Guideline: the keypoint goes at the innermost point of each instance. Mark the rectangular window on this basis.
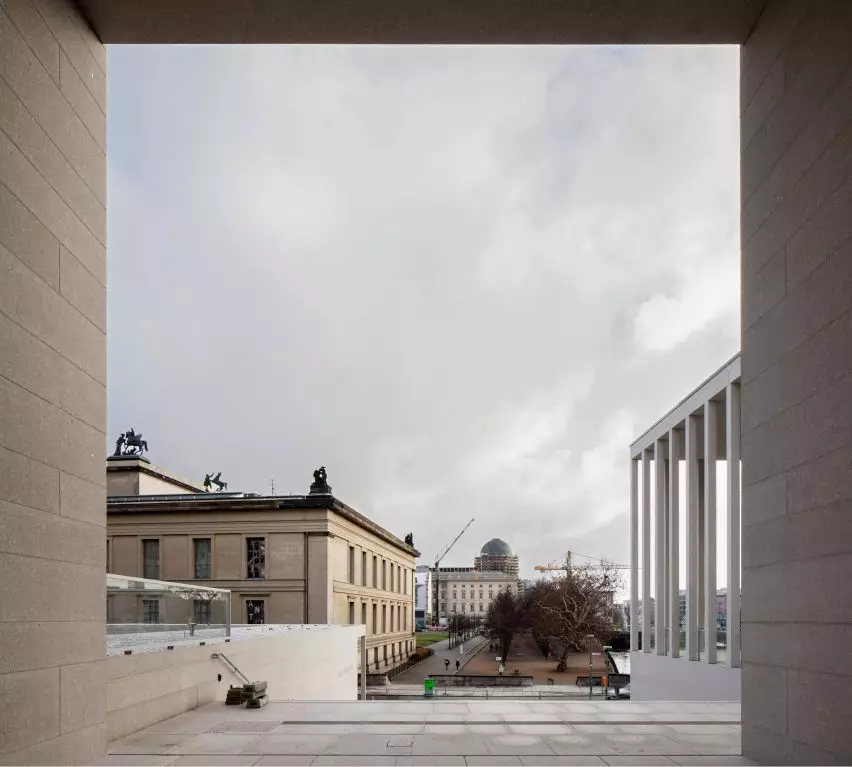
(351, 564)
(201, 611)
(151, 559)
(384, 619)
(364, 615)
(255, 557)
(405, 618)
(255, 611)
(351, 613)
(150, 611)
(384, 575)
(202, 552)
(107, 562)
(375, 572)
(375, 620)
(363, 568)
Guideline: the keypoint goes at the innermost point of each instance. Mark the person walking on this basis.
(458, 666)
(446, 664)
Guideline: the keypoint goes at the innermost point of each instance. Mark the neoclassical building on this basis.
(285, 559)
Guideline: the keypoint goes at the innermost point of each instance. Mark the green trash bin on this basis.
(428, 688)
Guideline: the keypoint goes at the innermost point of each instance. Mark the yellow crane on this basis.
(565, 563)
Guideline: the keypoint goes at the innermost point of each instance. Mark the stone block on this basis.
(36, 33)
(823, 532)
(36, 146)
(768, 93)
(764, 690)
(818, 300)
(79, 44)
(29, 708)
(813, 365)
(82, 101)
(44, 313)
(766, 747)
(82, 500)
(28, 482)
(32, 645)
(816, 704)
(82, 289)
(80, 747)
(824, 481)
(36, 589)
(32, 427)
(801, 646)
(32, 189)
(27, 238)
(33, 533)
(765, 544)
(23, 72)
(765, 44)
(82, 699)
(770, 286)
(33, 365)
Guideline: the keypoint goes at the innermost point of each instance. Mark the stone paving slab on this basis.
(471, 733)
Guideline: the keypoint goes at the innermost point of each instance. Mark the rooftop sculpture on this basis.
(130, 443)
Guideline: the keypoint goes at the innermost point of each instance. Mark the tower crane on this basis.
(438, 559)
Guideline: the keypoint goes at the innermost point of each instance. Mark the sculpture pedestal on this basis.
(320, 488)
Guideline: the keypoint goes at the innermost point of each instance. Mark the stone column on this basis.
(711, 412)
(646, 551)
(732, 452)
(52, 385)
(660, 547)
(634, 554)
(692, 569)
(675, 449)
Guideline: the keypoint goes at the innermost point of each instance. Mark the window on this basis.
(351, 573)
(384, 619)
(201, 611)
(364, 614)
(150, 611)
(405, 617)
(375, 572)
(202, 550)
(151, 559)
(392, 568)
(363, 568)
(385, 653)
(455, 607)
(351, 613)
(376, 657)
(384, 575)
(480, 608)
(255, 610)
(256, 558)
(107, 562)
(375, 620)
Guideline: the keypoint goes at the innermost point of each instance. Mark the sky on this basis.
(462, 279)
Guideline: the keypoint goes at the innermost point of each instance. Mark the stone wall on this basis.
(52, 379)
(796, 143)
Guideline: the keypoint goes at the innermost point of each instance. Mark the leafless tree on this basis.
(574, 605)
(506, 618)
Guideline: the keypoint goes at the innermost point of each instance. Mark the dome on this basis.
(497, 548)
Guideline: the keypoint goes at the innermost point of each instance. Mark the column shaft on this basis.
(732, 435)
(675, 440)
(692, 537)
(659, 547)
(634, 555)
(646, 551)
(711, 412)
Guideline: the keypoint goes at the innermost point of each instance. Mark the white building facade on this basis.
(691, 658)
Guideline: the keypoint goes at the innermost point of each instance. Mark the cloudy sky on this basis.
(464, 279)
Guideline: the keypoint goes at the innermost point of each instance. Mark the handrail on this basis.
(230, 664)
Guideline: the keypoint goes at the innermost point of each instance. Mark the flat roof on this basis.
(442, 22)
(165, 504)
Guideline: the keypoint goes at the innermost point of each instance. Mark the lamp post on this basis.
(589, 638)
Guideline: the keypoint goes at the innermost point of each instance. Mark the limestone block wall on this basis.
(306, 663)
(52, 384)
(796, 143)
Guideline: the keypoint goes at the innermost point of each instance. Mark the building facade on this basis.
(285, 559)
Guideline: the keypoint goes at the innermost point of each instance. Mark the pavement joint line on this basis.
(465, 723)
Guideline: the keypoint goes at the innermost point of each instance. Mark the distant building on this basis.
(496, 556)
(286, 559)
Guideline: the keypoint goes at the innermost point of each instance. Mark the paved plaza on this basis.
(452, 733)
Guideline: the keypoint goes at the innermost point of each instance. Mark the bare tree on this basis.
(506, 617)
(579, 603)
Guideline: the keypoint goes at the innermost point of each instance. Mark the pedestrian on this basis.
(446, 664)
(458, 665)
(500, 669)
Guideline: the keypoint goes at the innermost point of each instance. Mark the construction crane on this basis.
(565, 564)
(438, 562)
